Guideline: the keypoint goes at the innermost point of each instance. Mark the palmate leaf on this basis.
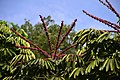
(81, 35)
(86, 35)
(22, 58)
(90, 36)
(92, 65)
(16, 59)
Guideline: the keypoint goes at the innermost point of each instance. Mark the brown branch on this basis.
(73, 24)
(58, 38)
(46, 31)
(45, 53)
(113, 25)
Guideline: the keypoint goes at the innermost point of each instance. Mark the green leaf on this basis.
(108, 65)
(77, 73)
(116, 62)
(73, 72)
(102, 37)
(112, 65)
(104, 64)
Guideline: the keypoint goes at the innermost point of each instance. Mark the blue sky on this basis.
(67, 10)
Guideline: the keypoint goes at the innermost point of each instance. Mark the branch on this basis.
(112, 25)
(46, 31)
(45, 53)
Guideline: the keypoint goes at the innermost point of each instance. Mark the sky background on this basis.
(67, 10)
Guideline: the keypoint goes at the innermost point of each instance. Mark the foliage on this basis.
(97, 56)
(12, 59)
(23, 64)
(100, 53)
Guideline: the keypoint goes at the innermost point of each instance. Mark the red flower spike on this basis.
(112, 25)
(58, 38)
(66, 34)
(46, 31)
